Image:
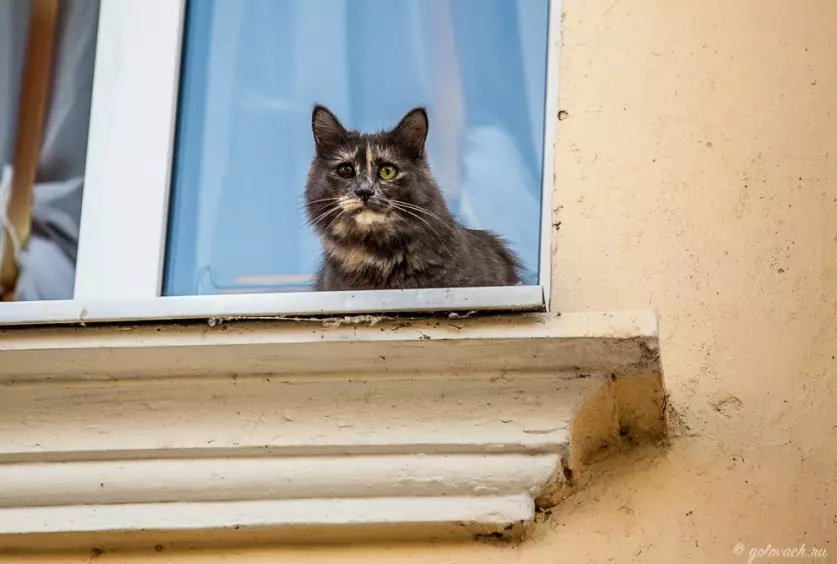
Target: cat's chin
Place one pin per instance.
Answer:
(361, 223)
(369, 217)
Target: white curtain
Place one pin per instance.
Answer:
(253, 70)
(48, 264)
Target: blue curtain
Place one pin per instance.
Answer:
(253, 69)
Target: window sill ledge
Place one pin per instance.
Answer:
(308, 428)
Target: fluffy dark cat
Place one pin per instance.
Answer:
(382, 219)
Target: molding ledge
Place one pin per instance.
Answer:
(311, 429)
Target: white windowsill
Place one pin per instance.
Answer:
(273, 305)
(304, 426)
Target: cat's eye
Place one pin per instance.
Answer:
(387, 172)
(346, 170)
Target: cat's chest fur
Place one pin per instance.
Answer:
(357, 266)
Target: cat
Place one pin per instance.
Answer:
(382, 219)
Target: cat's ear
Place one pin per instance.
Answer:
(329, 133)
(411, 131)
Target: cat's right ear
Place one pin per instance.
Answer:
(411, 131)
(329, 133)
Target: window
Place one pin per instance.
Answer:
(200, 142)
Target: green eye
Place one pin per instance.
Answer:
(387, 172)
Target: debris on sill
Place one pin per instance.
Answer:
(333, 322)
(456, 315)
(327, 322)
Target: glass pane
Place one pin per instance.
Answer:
(46, 262)
(252, 72)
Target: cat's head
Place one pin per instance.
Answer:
(363, 184)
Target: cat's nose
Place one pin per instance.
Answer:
(364, 191)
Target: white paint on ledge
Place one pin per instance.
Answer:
(272, 477)
(410, 511)
(296, 424)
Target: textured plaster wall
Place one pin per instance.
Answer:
(696, 175)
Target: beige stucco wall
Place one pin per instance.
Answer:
(696, 173)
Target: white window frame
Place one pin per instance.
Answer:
(127, 193)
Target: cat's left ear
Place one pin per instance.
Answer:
(411, 131)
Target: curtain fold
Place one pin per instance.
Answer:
(48, 264)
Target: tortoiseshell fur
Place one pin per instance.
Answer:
(396, 233)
